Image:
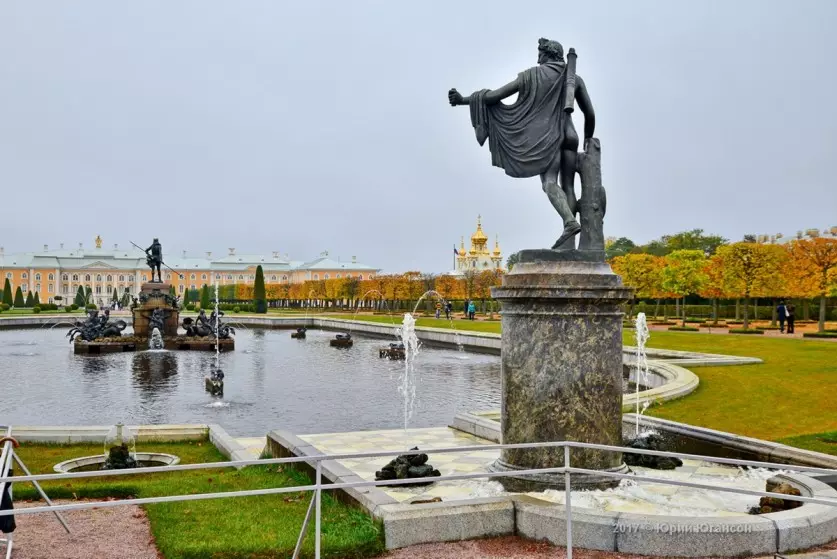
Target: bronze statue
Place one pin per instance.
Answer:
(535, 135)
(155, 258)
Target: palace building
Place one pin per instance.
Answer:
(478, 257)
(103, 270)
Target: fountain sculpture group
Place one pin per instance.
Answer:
(561, 315)
(155, 321)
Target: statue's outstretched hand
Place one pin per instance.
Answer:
(454, 97)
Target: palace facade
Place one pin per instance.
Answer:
(103, 270)
(478, 257)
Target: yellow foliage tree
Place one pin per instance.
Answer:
(641, 272)
(749, 269)
(814, 262)
(683, 274)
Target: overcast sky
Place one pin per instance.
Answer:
(304, 127)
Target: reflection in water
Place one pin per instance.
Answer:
(154, 371)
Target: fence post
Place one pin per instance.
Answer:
(568, 501)
(318, 496)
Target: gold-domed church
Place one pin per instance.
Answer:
(479, 257)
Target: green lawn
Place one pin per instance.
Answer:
(790, 398)
(263, 527)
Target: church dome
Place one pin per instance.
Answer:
(479, 236)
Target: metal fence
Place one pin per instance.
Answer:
(315, 507)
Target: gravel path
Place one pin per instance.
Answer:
(111, 533)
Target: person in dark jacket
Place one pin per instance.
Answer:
(782, 312)
(790, 312)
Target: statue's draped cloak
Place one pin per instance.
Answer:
(526, 137)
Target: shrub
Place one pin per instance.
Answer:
(7, 294)
(190, 306)
(91, 307)
(68, 309)
(5, 306)
(682, 329)
(74, 307)
(19, 301)
(825, 334)
(259, 297)
(746, 331)
(236, 309)
(36, 309)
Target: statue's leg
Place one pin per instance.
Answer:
(569, 163)
(556, 196)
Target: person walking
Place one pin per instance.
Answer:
(438, 309)
(465, 307)
(448, 309)
(790, 312)
(782, 312)
(472, 310)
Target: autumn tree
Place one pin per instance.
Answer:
(615, 248)
(641, 272)
(815, 262)
(748, 267)
(714, 287)
(683, 274)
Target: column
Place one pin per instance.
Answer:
(562, 365)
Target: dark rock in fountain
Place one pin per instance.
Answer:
(119, 458)
(776, 504)
(408, 466)
(649, 441)
(394, 351)
(342, 340)
(299, 334)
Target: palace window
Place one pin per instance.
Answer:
(38, 287)
(229, 276)
(38, 277)
(49, 288)
(168, 277)
(23, 275)
(65, 277)
(203, 276)
(122, 277)
(217, 276)
(192, 287)
(325, 276)
(24, 287)
(371, 276)
(316, 276)
(240, 277)
(338, 276)
(98, 277)
(50, 300)
(144, 277)
(75, 277)
(180, 288)
(66, 288)
(51, 277)
(272, 278)
(360, 276)
(193, 276)
(110, 278)
(9, 275)
(284, 278)
(87, 277)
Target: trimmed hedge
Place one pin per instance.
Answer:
(36, 309)
(683, 329)
(745, 331)
(825, 334)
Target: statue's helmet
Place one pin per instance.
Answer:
(156, 240)
(550, 50)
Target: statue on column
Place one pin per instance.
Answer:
(535, 136)
(154, 257)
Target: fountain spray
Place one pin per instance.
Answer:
(407, 385)
(641, 335)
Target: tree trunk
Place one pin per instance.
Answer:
(715, 310)
(684, 311)
(677, 306)
(738, 309)
(657, 309)
(631, 308)
(774, 314)
(746, 311)
(755, 308)
(665, 311)
(821, 325)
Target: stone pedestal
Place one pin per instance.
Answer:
(155, 295)
(562, 365)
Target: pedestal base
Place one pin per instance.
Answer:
(562, 364)
(542, 482)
